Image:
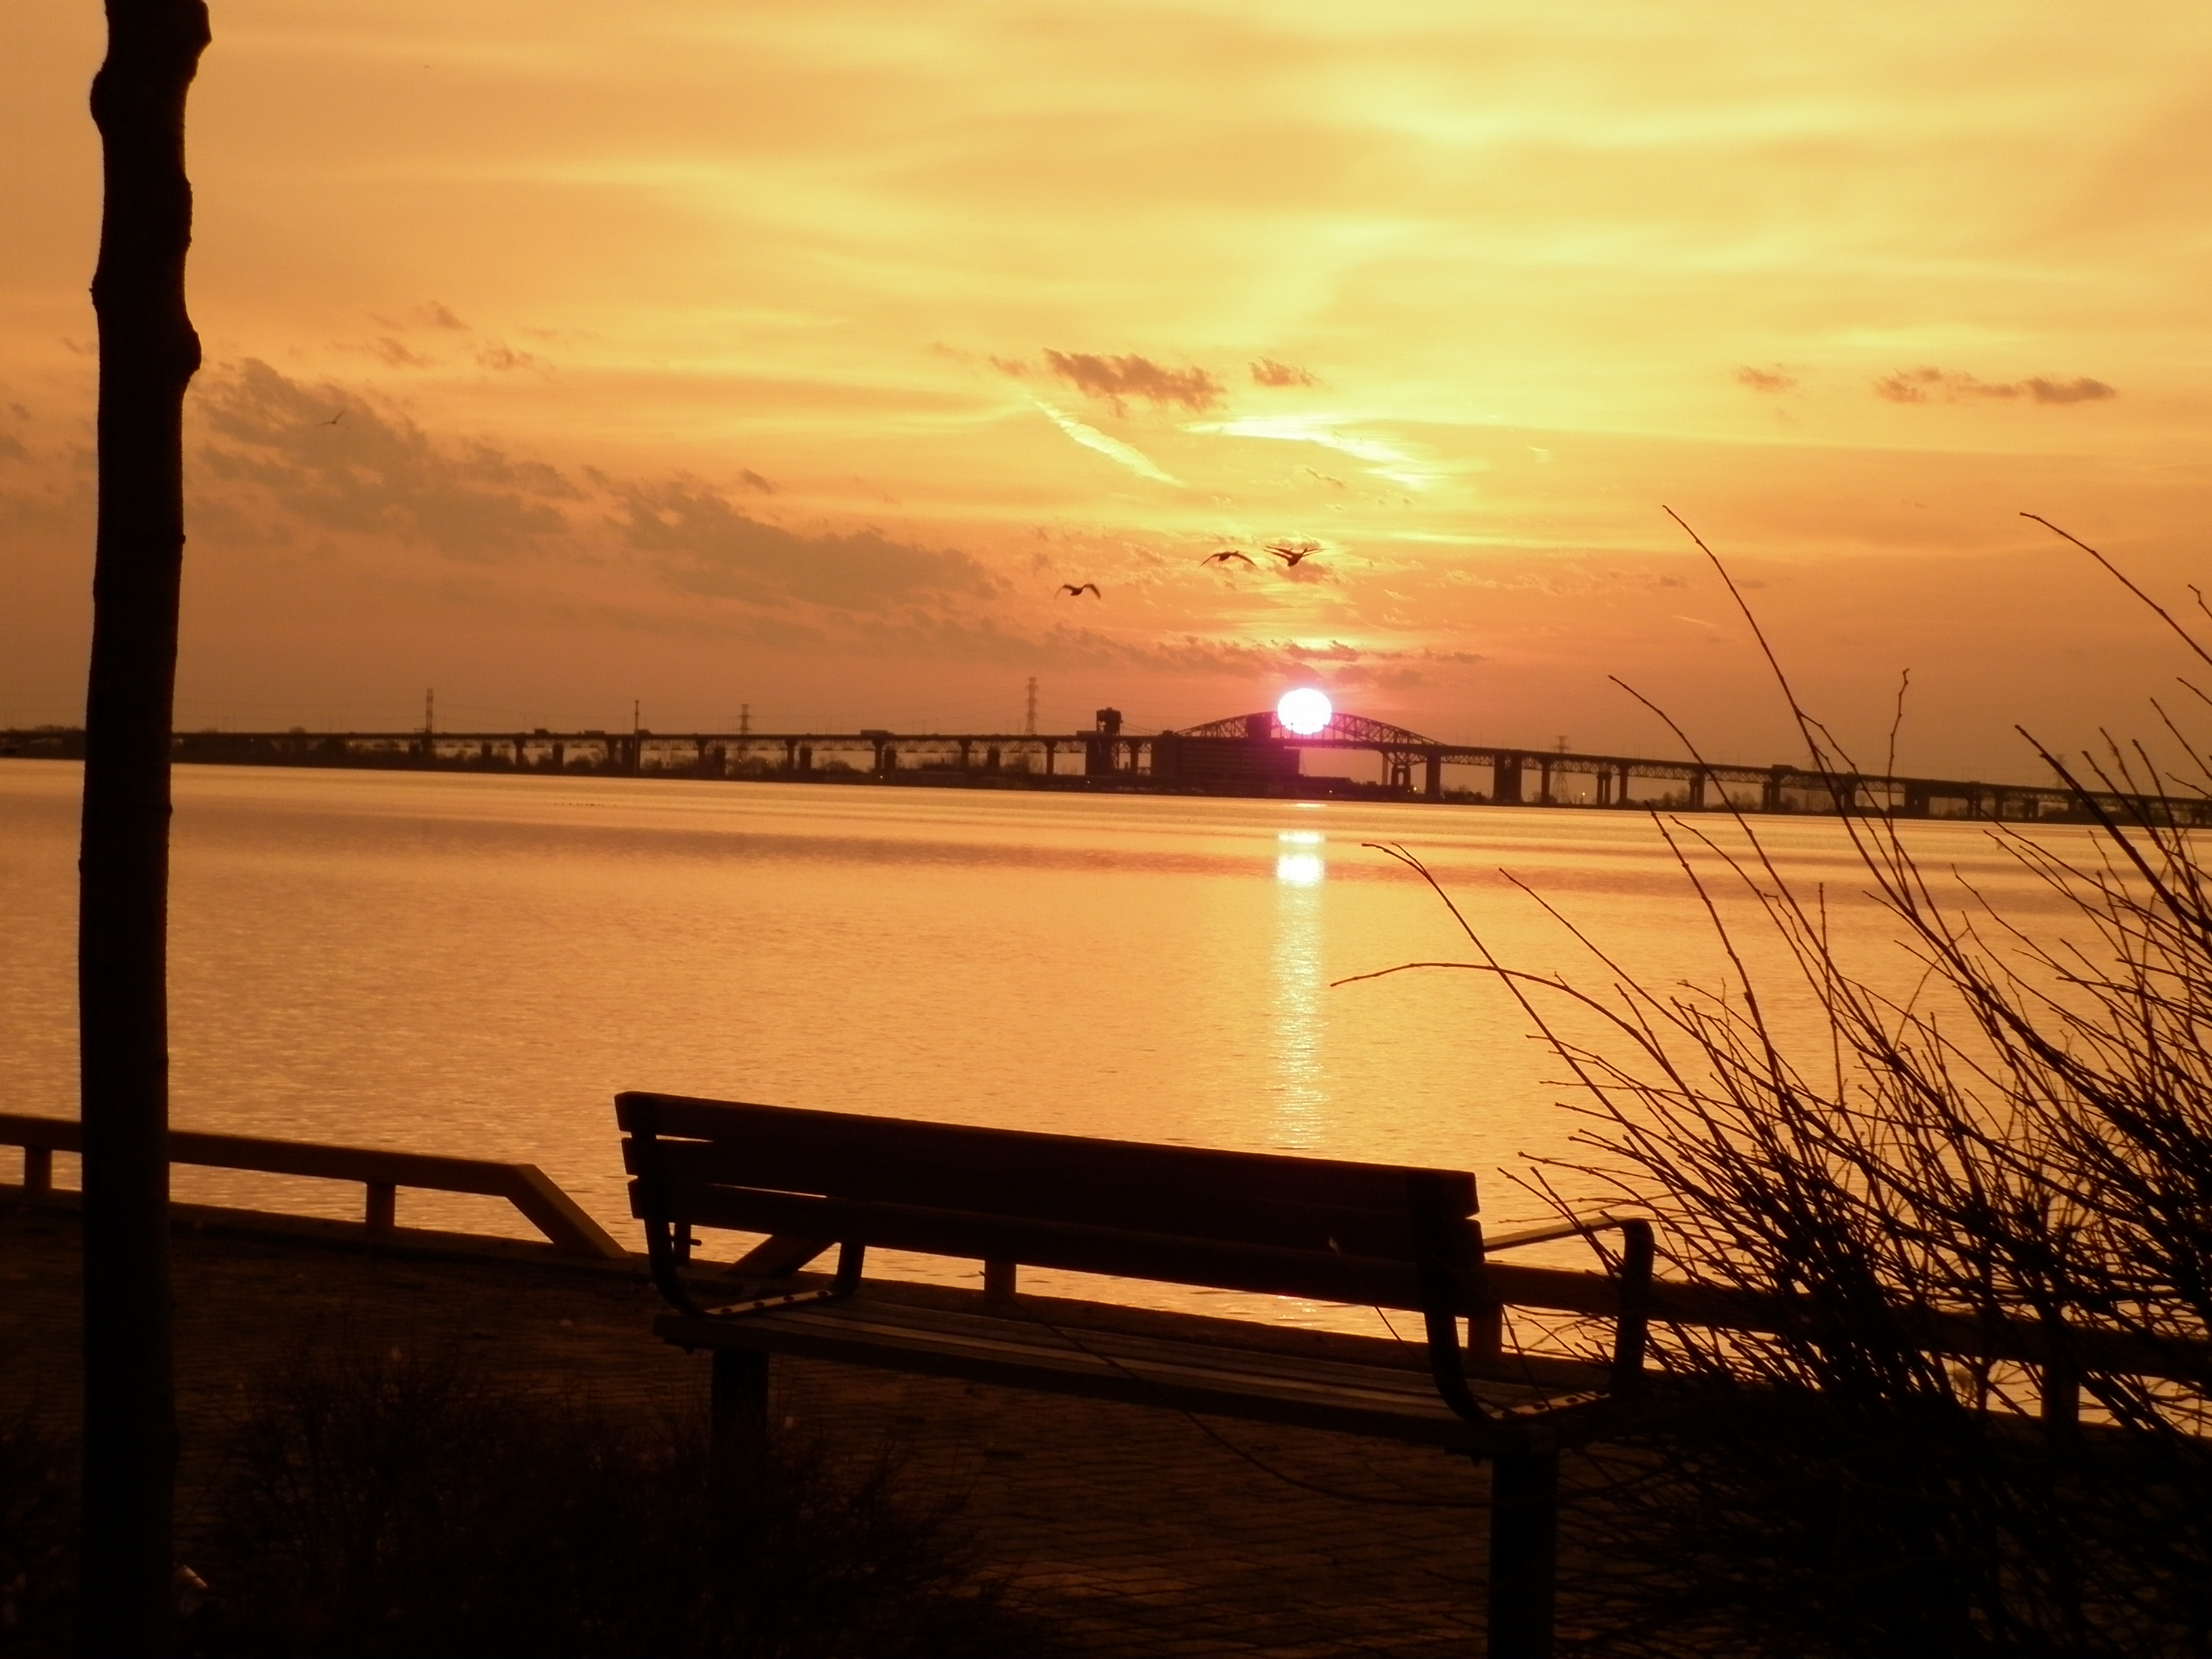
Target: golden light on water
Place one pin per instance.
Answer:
(1299, 866)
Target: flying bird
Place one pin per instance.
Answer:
(334, 419)
(1227, 554)
(1293, 554)
(1077, 590)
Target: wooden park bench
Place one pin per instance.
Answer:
(1383, 1235)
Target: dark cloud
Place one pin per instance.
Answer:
(497, 355)
(2081, 391)
(1766, 380)
(1114, 379)
(341, 463)
(372, 471)
(386, 349)
(1268, 372)
(1920, 386)
(432, 315)
(704, 545)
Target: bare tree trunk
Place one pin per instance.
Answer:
(148, 354)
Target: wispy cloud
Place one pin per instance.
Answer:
(294, 455)
(1920, 386)
(1114, 379)
(341, 462)
(1384, 460)
(1269, 373)
(1771, 380)
(704, 545)
(1113, 448)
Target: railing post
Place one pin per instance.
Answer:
(38, 1169)
(2062, 1395)
(1485, 1337)
(999, 1279)
(383, 1206)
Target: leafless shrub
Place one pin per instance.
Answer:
(1965, 1204)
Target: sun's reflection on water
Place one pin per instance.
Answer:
(1301, 1093)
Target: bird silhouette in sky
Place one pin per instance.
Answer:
(1293, 554)
(334, 419)
(1227, 554)
(1077, 590)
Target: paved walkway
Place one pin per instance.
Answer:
(1142, 1532)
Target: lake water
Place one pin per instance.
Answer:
(476, 963)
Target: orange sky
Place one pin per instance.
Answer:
(722, 354)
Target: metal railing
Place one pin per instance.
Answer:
(2062, 1359)
(552, 1211)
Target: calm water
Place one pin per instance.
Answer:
(476, 964)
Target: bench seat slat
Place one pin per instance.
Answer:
(1115, 1252)
(1383, 1401)
(814, 1152)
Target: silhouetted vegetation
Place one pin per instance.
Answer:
(2026, 1141)
(37, 1539)
(2019, 1145)
(393, 1504)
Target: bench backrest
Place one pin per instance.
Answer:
(1249, 1221)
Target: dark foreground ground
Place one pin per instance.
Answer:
(1135, 1529)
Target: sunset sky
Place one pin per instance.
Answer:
(712, 354)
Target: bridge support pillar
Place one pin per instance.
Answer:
(1544, 784)
(1697, 792)
(1432, 779)
(1505, 781)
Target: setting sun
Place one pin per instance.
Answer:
(1304, 711)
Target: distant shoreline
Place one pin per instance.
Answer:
(194, 749)
(1200, 764)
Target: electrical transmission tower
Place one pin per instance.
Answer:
(1028, 720)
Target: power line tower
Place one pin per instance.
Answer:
(745, 719)
(1029, 719)
(429, 711)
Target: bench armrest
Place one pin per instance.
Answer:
(1631, 1323)
(1573, 1226)
(1449, 1256)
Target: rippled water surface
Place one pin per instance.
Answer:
(475, 964)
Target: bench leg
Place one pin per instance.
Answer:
(1524, 1515)
(737, 1408)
